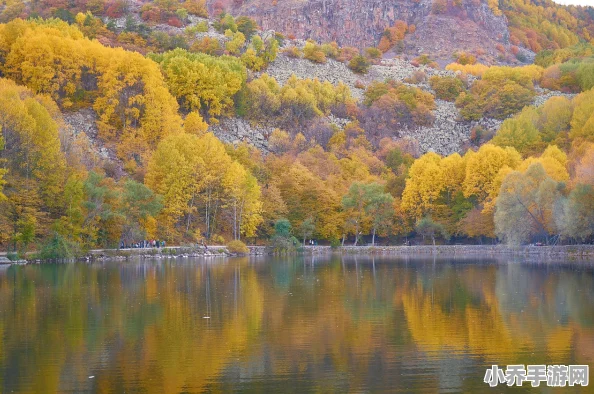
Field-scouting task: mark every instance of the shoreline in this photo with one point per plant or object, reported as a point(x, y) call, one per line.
point(562, 251)
point(468, 250)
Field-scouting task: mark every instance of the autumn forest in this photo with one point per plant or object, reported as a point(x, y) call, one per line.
point(338, 166)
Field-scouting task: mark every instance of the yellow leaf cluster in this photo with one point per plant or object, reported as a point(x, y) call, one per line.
point(126, 90)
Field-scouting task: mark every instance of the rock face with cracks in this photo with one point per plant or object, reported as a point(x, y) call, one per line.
point(468, 25)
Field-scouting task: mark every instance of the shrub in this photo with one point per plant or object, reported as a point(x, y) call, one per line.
point(390, 106)
point(12, 256)
point(393, 36)
point(417, 77)
point(225, 22)
point(465, 58)
point(57, 248)
point(359, 64)
point(182, 14)
point(473, 69)
point(131, 39)
point(469, 107)
point(446, 88)
point(150, 14)
point(252, 61)
point(572, 76)
point(280, 38)
point(313, 52)
point(237, 247)
point(547, 58)
point(201, 27)
point(279, 141)
point(247, 26)
point(359, 84)
point(116, 9)
point(347, 54)
point(331, 50)
point(413, 97)
point(209, 45)
point(494, 99)
point(282, 241)
point(373, 53)
point(175, 22)
point(292, 52)
point(196, 7)
point(479, 135)
point(217, 239)
point(424, 60)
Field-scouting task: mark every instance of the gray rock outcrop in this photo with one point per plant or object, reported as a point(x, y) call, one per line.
point(471, 25)
point(238, 130)
point(544, 94)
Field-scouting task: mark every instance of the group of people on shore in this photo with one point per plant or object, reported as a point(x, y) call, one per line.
point(143, 244)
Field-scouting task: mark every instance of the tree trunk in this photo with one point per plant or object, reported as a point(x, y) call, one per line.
point(213, 225)
point(373, 238)
point(240, 221)
point(343, 236)
point(207, 215)
point(356, 235)
point(433, 238)
point(189, 221)
point(235, 220)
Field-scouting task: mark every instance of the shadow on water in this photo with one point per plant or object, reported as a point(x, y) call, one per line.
point(290, 324)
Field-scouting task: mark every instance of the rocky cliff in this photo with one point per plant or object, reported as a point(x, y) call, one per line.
point(447, 134)
point(467, 25)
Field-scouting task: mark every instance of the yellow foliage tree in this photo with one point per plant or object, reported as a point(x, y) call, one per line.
point(584, 171)
point(483, 166)
point(125, 89)
point(35, 163)
point(173, 172)
point(3, 171)
point(582, 121)
point(425, 183)
point(244, 198)
point(202, 82)
point(553, 161)
point(235, 43)
point(201, 184)
point(194, 124)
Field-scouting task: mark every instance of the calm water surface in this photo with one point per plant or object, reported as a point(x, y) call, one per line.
point(289, 325)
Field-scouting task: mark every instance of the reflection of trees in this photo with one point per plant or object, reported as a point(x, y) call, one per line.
point(343, 325)
point(502, 313)
point(142, 324)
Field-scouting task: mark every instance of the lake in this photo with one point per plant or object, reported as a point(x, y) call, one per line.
point(293, 324)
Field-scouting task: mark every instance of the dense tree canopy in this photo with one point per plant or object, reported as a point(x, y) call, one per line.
point(202, 82)
point(338, 165)
point(126, 90)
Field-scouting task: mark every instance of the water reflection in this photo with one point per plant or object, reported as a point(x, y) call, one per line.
point(290, 325)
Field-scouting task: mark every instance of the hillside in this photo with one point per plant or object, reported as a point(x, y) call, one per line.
point(130, 120)
point(489, 29)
